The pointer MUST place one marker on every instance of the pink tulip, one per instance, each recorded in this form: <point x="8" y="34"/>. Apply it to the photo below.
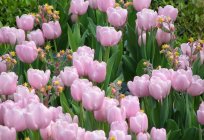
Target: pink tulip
<point x="82" y="59"/>
<point x="139" y="123"/>
<point x="170" y="11"/>
<point x="103" y="5"/>
<point x="46" y="133"/>
<point x="25" y="22"/>
<point x="141" y="4"/>
<point x="3" y="66"/>
<point x="143" y="136"/>
<point x="80" y="133"/>
<point x="183" y="62"/>
<point x="116" y="114"/>
<point x="186" y="49"/>
<point x="74" y="18"/>
<point x="117" y="16"/>
<point x="200" y="113"/>
<point x="131" y="105"/>
<point x="119" y="135"/>
<point x="69" y="75"/>
<point x="8" y="82"/>
<point x="78" y="7"/>
<point x="7" y="133"/>
<point x="158" y="134"/>
<point x="120" y="125"/>
<point x="139" y="86"/>
<point x="146" y="19"/>
<point x="20" y="35"/>
<point x="7" y="104"/>
<point x="202" y="56"/>
<point x="33" y="116"/>
<point x="37" y="37"/>
<point x="30" y="49"/>
<point x="93" y="4"/>
<point x="92" y="98"/>
<point x="142" y="39"/>
<point x="97" y="71"/>
<point x="78" y="87"/>
<point x="162" y="37"/>
<point x="95" y="135"/>
<point x="181" y="79"/>
<point x="101" y="114"/>
<point x="163" y="73"/>
<point x="197" y="86"/>
<point x="51" y="30"/>
<point x="159" y="88"/>
<point x="37" y="78"/>
<point x="108" y="36"/>
<point x="138" y="30"/>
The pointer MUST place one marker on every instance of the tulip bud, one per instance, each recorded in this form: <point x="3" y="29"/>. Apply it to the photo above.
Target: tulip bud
<point x="25" y="22"/>
<point x="158" y="134"/>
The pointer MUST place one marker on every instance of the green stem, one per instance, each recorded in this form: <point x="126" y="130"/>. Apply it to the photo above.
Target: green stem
<point x="55" y="45"/>
<point x="107" y="53"/>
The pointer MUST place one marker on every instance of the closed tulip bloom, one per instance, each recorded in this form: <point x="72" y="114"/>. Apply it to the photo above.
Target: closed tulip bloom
<point x="186" y="49"/>
<point x="33" y="116"/>
<point x="78" y="7"/>
<point x="142" y="39"/>
<point x="143" y="136"/>
<point x="69" y="75"/>
<point x="131" y="105"/>
<point x="181" y="79"/>
<point x="7" y="133"/>
<point x="101" y="114"/>
<point x="25" y="22"/>
<point x="95" y="135"/>
<point x="197" y="86"/>
<point x="37" y="37"/>
<point x="37" y="78"/>
<point x="3" y="66"/>
<point x="139" y="123"/>
<point x="20" y="35"/>
<point x="120" y="125"/>
<point x="57" y="112"/>
<point x="30" y="49"/>
<point x="117" y="16"/>
<point x="85" y="50"/>
<point x="108" y="36"/>
<point x="141" y="4"/>
<point x="163" y="73"/>
<point x="46" y="133"/>
<point x="97" y="71"/>
<point x="93" y="4"/>
<point x="146" y="19"/>
<point x="92" y="98"/>
<point x="103" y="5"/>
<point x="51" y="30"/>
<point x="139" y="86"/>
<point x="170" y="11"/>
<point x="119" y="135"/>
<point x="78" y="87"/>
<point x="8" y="82"/>
<point x="158" y="134"/>
<point x="202" y="56"/>
<point x="200" y="113"/>
<point x="162" y="37"/>
<point x="116" y="114"/>
<point x="159" y="88"/>
<point x="138" y="30"/>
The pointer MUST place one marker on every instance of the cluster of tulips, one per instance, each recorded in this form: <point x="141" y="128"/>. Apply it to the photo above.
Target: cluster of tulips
<point x="33" y="110"/>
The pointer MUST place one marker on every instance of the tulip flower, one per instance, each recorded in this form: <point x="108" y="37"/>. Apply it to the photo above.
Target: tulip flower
<point x="120" y="125"/>
<point x="92" y="98"/>
<point x="51" y="30"/>
<point x="116" y="114"/>
<point x="97" y="71"/>
<point x="8" y="82"/>
<point x="138" y="30"/>
<point x="162" y="37"/>
<point x="139" y="123"/>
<point x="25" y="22"/>
<point x="163" y="73"/>
<point x="141" y="4"/>
<point x="3" y="66"/>
<point x="142" y="39"/>
<point x="78" y="7"/>
<point x="197" y="86"/>
<point x="78" y="87"/>
<point x="46" y="133"/>
<point x="159" y="88"/>
<point x="98" y="134"/>
<point x="7" y="133"/>
<point x="158" y="134"/>
<point x="103" y="5"/>
<point x="69" y="75"/>
<point x="202" y="56"/>
<point x="30" y="49"/>
<point x="119" y="135"/>
<point x="183" y="62"/>
<point x="37" y="78"/>
<point x="146" y="19"/>
<point x="143" y="136"/>
<point x="131" y="105"/>
<point x="117" y="16"/>
<point x="200" y="113"/>
<point x="37" y="37"/>
<point x="93" y="4"/>
<point x="186" y="49"/>
<point x="170" y="11"/>
<point x="181" y="79"/>
<point x="139" y="86"/>
<point x="108" y="36"/>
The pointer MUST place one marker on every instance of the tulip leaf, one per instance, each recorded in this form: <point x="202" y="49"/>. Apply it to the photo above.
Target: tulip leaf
<point x="191" y="134"/>
<point x="64" y="104"/>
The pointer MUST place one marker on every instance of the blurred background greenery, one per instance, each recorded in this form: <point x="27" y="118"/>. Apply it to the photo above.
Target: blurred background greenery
<point x="190" y="22"/>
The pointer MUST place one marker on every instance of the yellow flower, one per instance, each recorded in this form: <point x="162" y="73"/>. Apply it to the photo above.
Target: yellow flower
<point x="49" y="12"/>
<point x="48" y="47"/>
<point x="191" y="40"/>
<point x="112" y="138"/>
<point x="176" y="53"/>
<point x="165" y="46"/>
<point x="56" y="83"/>
<point x="56" y="12"/>
<point x="49" y="87"/>
<point x="25" y="84"/>
<point x="142" y="111"/>
<point x="119" y="82"/>
<point x="117" y="5"/>
<point x="27" y="138"/>
<point x="13" y="53"/>
<point x="60" y="89"/>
